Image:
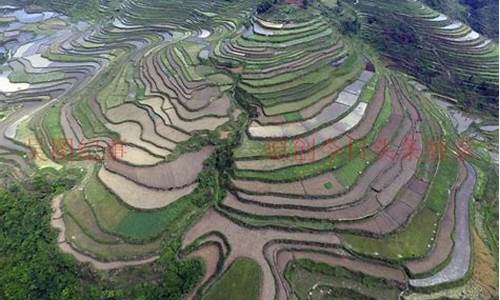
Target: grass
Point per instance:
(26, 136)
(369, 89)
(335, 84)
(77, 236)
(442, 184)
(286, 223)
(117, 91)
(304, 274)
(54, 56)
(256, 148)
(74, 204)
(52, 124)
(90, 124)
(382, 118)
(348, 161)
(252, 148)
(23, 76)
(114, 217)
(410, 243)
(293, 43)
(241, 281)
(55, 145)
(304, 170)
(330, 3)
(293, 116)
(220, 79)
(349, 173)
(287, 80)
(413, 241)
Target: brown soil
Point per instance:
(211, 255)
(250, 243)
(164, 176)
(139, 196)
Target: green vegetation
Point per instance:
(283, 64)
(116, 92)
(328, 185)
(35, 77)
(90, 124)
(87, 10)
(241, 281)
(315, 280)
(411, 242)
(293, 116)
(442, 184)
(287, 223)
(350, 172)
(32, 267)
(52, 123)
(369, 90)
(416, 44)
(481, 15)
(486, 205)
(114, 217)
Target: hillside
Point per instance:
(229, 149)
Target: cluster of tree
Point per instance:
(400, 42)
(3, 58)
(265, 5)
(349, 24)
(32, 267)
(345, 18)
(88, 10)
(482, 15)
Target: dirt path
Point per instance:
(250, 243)
(57, 222)
(210, 253)
(460, 260)
(274, 249)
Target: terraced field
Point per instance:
(448, 50)
(289, 158)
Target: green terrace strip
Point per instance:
(443, 51)
(81, 212)
(235, 149)
(350, 172)
(118, 90)
(293, 117)
(90, 124)
(241, 281)
(347, 162)
(411, 242)
(116, 218)
(314, 279)
(22, 76)
(250, 148)
(286, 223)
(335, 84)
(106, 251)
(442, 183)
(414, 240)
(51, 123)
(354, 156)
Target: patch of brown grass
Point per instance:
(484, 273)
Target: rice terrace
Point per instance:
(253, 150)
